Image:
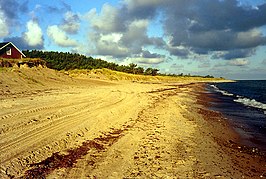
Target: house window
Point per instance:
(8, 51)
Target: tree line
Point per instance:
(70, 61)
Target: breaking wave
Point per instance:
(221, 91)
(241, 99)
(251, 102)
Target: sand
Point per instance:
(57, 126)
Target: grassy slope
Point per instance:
(104, 74)
(24, 80)
(107, 74)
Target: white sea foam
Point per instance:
(251, 102)
(226, 93)
(241, 99)
(221, 91)
(215, 87)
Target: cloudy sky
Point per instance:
(217, 37)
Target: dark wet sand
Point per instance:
(250, 161)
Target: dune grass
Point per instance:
(107, 74)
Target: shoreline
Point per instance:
(103, 129)
(250, 161)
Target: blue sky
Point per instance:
(217, 37)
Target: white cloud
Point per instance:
(59, 37)
(126, 30)
(134, 4)
(146, 60)
(109, 44)
(121, 44)
(115, 32)
(251, 38)
(238, 62)
(135, 38)
(33, 36)
(71, 23)
(106, 21)
(137, 31)
(111, 38)
(3, 25)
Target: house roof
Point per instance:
(4, 44)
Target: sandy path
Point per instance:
(123, 130)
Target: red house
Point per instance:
(9, 50)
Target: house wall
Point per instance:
(15, 54)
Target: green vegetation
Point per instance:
(188, 75)
(70, 61)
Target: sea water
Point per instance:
(243, 103)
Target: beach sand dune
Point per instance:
(55, 126)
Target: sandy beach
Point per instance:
(57, 126)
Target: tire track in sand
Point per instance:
(95, 146)
(27, 117)
(89, 162)
(49, 131)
